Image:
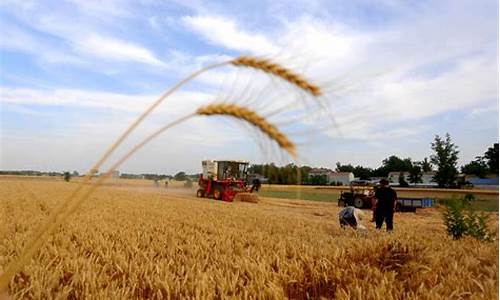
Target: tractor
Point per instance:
(224, 179)
(360, 195)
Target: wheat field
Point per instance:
(130, 242)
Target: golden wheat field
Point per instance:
(144, 242)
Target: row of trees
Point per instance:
(444, 159)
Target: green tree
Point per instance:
(426, 165)
(318, 180)
(415, 175)
(393, 164)
(445, 157)
(344, 168)
(362, 172)
(181, 176)
(476, 167)
(491, 157)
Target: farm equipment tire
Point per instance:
(200, 193)
(218, 193)
(358, 202)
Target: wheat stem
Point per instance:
(251, 117)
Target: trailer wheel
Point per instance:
(218, 193)
(200, 193)
(358, 202)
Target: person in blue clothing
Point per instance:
(351, 216)
(385, 206)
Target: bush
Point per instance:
(462, 220)
(67, 176)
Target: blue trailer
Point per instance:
(411, 204)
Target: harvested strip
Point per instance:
(251, 117)
(276, 69)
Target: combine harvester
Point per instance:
(226, 180)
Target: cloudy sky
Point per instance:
(74, 74)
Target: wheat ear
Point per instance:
(243, 113)
(273, 68)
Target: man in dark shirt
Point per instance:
(386, 205)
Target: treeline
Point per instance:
(33, 173)
(443, 161)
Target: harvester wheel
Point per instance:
(218, 193)
(358, 202)
(200, 193)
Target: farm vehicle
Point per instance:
(224, 180)
(363, 196)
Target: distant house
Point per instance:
(331, 176)
(343, 177)
(393, 177)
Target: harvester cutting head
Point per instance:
(246, 197)
(224, 180)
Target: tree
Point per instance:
(67, 176)
(362, 172)
(318, 180)
(491, 157)
(181, 176)
(476, 167)
(426, 165)
(445, 157)
(393, 164)
(415, 175)
(344, 168)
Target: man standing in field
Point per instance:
(386, 199)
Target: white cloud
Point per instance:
(225, 32)
(114, 49)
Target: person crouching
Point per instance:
(352, 217)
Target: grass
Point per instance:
(303, 195)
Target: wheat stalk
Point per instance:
(71, 202)
(243, 113)
(267, 66)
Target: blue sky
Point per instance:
(74, 74)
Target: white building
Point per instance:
(343, 177)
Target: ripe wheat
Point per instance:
(278, 70)
(243, 113)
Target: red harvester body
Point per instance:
(223, 180)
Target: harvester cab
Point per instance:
(223, 180)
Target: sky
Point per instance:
(75, 74)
